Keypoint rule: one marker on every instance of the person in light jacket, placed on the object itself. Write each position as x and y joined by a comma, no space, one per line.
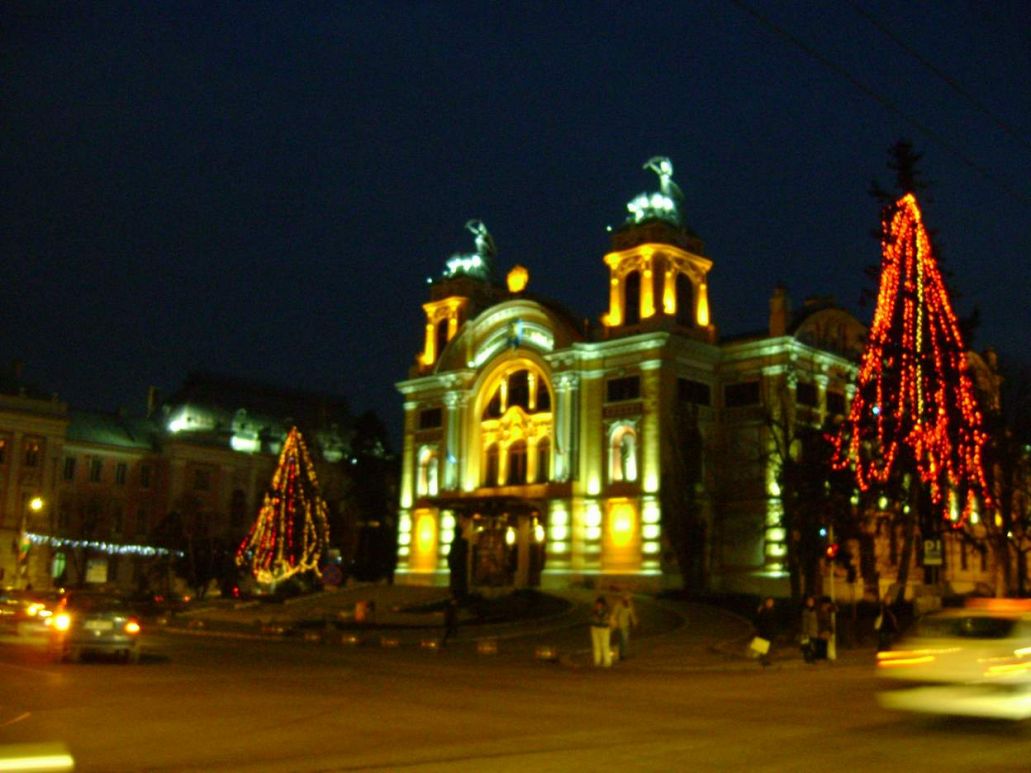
601,632
624,617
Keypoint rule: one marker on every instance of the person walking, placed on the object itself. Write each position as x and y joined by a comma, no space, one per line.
601,632
624,616
886,624
765,630
810,629
825,627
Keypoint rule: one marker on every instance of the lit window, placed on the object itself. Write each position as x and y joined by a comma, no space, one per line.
427,480
31,456
517,463
623,454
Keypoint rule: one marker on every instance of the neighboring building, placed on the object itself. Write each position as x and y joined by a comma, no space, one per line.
539,449
117,491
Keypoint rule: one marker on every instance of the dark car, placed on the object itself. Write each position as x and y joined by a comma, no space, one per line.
94,623
23,611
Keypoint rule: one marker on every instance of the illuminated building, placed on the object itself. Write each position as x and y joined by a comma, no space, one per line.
541,447
199,464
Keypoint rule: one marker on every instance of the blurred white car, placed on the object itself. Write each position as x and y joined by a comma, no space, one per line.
974,661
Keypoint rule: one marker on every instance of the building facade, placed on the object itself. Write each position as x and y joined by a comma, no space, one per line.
120,499
540,450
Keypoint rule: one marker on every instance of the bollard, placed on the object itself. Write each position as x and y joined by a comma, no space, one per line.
429,644
350,639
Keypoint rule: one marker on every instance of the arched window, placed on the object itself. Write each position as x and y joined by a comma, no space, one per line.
519,389
490,467
623,454
426,481
685,301
516,463
543,460
632,300
441,337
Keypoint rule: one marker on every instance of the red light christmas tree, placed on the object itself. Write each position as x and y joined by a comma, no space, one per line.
914,409
291,530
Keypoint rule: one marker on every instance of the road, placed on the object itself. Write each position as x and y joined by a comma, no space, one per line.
206,703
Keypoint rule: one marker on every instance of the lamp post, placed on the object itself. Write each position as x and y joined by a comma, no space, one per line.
36,505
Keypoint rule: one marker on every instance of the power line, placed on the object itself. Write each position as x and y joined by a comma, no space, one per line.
950,81
882,100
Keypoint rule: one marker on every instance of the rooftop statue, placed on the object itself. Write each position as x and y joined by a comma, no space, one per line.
479,264
665,203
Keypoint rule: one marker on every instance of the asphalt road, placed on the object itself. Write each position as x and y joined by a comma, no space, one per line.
205,703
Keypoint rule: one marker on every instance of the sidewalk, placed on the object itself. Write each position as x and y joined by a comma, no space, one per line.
673,636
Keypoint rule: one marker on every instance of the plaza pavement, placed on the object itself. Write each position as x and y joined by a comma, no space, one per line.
672,635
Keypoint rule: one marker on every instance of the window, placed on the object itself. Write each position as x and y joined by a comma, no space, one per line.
142,521
96,466
623,454
836,403
426,481
685,301
632,303
431,418
626,388
490,467
519,389
31,456
144,476
441,337
120,474
737,395
806,394
693,392
69,468
543,460
517,463
202,480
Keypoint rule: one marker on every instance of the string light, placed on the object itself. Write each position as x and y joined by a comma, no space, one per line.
111,548
914,394
292,528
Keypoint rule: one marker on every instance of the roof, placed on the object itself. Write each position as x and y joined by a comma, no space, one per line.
112,429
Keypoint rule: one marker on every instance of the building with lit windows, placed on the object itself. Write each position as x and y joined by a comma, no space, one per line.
116,491
541,450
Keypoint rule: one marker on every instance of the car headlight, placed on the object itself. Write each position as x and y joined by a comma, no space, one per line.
61,621
132,626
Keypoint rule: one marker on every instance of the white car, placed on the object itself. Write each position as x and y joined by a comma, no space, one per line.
974,661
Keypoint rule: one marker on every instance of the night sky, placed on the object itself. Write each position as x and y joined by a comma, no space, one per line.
262,190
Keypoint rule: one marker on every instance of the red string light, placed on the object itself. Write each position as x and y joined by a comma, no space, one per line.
914,394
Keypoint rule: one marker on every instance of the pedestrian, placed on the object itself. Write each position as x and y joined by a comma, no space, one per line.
601,632
810,629
624,617
825,630
765,630
886,624
450,620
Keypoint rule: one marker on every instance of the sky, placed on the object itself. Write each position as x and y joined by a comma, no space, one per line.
263,189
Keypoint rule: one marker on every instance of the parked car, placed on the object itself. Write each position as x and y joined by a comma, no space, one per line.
95,623
974,661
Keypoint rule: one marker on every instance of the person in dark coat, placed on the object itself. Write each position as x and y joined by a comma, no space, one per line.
810,629
886,624
766,628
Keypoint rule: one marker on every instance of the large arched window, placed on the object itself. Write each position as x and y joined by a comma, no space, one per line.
516,463
685,301
490,467
427,481
632,300
623,453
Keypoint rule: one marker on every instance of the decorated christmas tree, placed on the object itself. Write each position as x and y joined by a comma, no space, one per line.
291,530
915,417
